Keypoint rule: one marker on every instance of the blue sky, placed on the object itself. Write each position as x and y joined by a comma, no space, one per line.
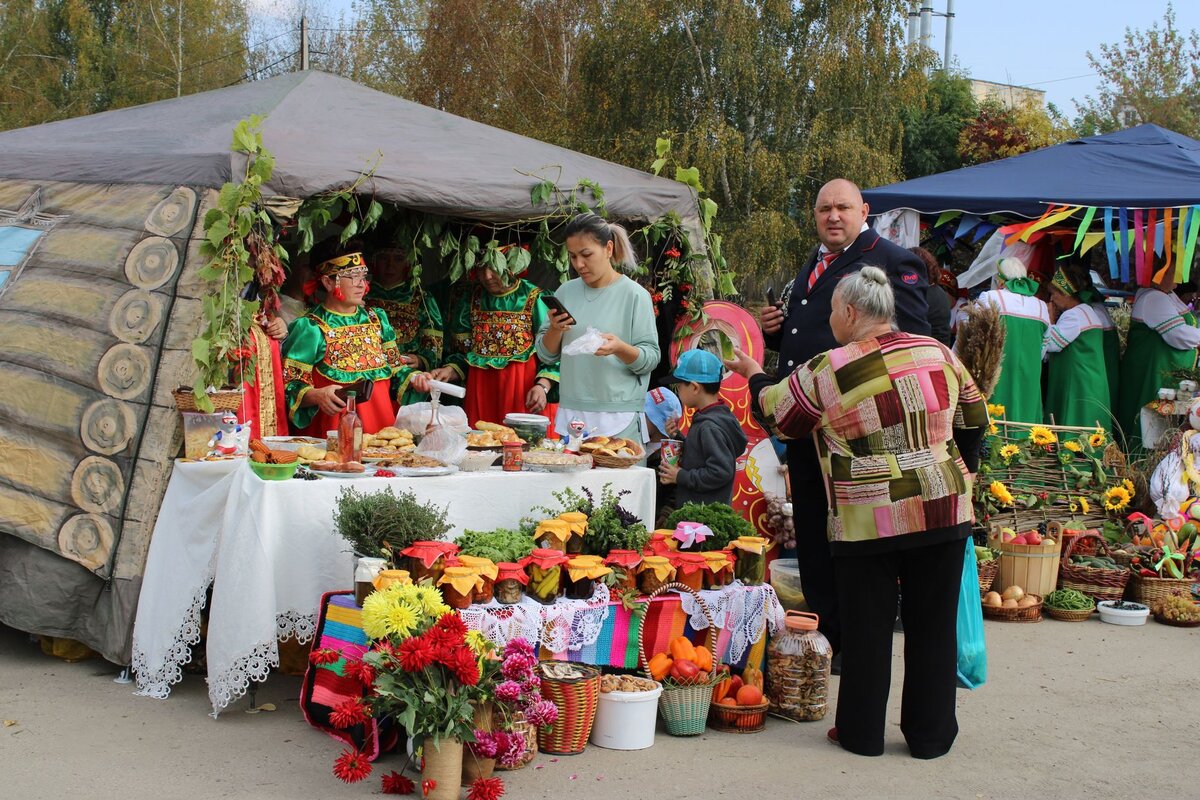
1040,43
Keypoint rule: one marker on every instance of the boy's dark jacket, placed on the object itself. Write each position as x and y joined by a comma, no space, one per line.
715,441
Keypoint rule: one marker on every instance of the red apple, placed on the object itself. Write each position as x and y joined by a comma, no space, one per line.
1020,539
1033,537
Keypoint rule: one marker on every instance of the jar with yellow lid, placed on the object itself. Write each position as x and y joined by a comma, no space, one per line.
663,542
751,566
690,569
553,534
486,569
545,570
582,574
390,577
653,572
720,569
458,585
577,521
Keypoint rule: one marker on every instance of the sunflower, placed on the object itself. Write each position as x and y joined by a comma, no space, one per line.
999,491
1116,498
1008,451
1097,439
1074,447
1084,506
1042,437
1128,484
992,429
995,410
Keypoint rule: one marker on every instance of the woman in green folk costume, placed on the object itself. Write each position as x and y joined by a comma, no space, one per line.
414,315
1078,388
1163,337
340,345
1026,319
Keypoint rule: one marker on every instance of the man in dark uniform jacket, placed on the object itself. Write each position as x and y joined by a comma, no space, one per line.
799,329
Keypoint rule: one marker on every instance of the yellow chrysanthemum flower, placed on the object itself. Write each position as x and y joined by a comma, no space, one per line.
1117,498
1097,439
999,491
995,410
1128,484
431,602
1008,451
401,618
1084,505
1042,437
1074,447
375,614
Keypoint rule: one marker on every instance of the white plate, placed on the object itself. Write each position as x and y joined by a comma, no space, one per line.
369,472
422,472
285,443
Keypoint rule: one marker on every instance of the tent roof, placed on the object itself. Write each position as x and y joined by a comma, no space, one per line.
324,132
1142,167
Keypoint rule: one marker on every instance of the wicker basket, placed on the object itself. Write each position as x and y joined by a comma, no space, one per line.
531,744
739,719
618,462
223,400
987,573
1069,615
1152,591
577,699
1027,614
1098,584
684,708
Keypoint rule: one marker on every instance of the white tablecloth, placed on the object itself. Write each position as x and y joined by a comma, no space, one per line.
269,551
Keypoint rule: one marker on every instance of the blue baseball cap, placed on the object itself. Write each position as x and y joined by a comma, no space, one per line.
661,405
700,366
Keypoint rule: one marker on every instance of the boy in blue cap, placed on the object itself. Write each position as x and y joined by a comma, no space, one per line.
715,440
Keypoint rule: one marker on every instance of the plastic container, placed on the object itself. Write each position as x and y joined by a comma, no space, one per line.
785,580
798,666
198,429
1122,616
626,720
530,427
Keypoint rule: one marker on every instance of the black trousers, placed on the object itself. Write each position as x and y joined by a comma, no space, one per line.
810,514
927,579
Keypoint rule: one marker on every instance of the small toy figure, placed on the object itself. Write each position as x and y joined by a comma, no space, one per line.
575,435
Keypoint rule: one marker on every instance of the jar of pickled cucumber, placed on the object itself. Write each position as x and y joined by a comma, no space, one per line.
751,566
653,572
486,569
690,569
510,583
545,570
624,564
582,574
458,585
577,522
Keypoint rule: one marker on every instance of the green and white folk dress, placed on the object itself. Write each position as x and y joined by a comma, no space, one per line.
1026,320
1112,354
1162,337
1077,391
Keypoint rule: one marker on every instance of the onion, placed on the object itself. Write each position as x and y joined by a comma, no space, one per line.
1010,603
1013,593
992,599
1027,601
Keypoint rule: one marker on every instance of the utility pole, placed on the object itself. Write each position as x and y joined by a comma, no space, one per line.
303,43
949,57
179,49
926,22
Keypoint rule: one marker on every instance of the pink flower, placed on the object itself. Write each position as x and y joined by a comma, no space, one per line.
508,691
518,647
518,667
484,746
542,714
510,749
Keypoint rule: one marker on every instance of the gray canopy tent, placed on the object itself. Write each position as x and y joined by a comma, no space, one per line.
100,222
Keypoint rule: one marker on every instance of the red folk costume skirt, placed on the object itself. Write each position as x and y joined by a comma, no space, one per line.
494,393
376,414
264,402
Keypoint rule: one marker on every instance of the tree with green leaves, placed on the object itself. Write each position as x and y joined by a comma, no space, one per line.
1149,76
931,129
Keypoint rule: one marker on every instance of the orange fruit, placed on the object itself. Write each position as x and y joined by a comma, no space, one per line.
749,696
727,701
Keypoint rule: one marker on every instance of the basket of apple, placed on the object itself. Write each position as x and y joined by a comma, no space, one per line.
1029,560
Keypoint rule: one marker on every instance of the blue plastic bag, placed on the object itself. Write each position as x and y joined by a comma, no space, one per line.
972,649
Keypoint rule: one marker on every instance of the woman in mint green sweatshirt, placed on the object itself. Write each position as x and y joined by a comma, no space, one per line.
606,390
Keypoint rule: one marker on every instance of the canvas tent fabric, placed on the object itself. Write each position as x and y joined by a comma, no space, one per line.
1142,167
100,228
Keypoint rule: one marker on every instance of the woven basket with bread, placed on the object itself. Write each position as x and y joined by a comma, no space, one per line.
612,451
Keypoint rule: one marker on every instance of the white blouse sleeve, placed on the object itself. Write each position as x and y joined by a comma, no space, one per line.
1164,316
1072,323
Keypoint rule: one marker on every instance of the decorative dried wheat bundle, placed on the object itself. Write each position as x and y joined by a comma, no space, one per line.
980,345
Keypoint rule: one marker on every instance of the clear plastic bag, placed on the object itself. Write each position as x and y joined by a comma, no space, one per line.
415,418
586,345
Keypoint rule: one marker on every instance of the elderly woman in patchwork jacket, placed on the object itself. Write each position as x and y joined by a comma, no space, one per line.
898,422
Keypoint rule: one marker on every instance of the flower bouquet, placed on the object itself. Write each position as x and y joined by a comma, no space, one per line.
521,709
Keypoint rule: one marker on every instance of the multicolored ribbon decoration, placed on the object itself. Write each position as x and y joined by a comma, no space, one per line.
1193,230
1181,241
1088,216
1124,244
1054,215
1110,246
1168,255
1139,249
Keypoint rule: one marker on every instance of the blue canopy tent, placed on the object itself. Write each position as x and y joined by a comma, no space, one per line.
1142,167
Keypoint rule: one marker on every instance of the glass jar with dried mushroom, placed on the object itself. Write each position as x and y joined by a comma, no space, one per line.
798,664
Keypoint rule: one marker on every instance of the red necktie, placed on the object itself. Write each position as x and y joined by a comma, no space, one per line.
820,267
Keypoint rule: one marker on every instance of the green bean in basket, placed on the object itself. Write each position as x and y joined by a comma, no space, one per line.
1068,600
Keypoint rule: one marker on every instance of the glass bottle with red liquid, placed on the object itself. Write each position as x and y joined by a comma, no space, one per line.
350,432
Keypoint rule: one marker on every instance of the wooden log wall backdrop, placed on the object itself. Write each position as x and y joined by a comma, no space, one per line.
95,323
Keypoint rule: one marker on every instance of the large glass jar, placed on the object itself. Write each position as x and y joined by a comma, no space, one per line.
751,566
458,585
545,571
510,583
582,574
426,561
577,522
365,572
662,542
690,569
719,569
486,569
798,664
653,572
389,577
552,534
624,564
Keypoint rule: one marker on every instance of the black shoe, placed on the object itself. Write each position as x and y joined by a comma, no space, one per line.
835,667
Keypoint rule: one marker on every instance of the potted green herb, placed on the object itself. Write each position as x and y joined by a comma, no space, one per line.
380,524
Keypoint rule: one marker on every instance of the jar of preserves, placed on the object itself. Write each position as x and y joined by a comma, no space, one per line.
365,572
545,570
690,569
751,566
514,458
552,534
486,569
426,561
582,574
798,665
662,542
390,577
719,569
577,522
510,583
458,585
653,572
624,564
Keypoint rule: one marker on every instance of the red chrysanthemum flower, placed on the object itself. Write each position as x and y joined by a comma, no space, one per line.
351,767
348,713
442,644
453,623
466,668
395,783
415,654
486,789
361,670
324,656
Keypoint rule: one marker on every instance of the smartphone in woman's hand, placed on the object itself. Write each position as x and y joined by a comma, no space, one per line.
556,305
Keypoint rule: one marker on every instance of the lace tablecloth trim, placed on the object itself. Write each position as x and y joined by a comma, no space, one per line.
234,682
566,625
741,610
158,682
296,625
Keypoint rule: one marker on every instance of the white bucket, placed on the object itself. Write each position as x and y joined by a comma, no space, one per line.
626,720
